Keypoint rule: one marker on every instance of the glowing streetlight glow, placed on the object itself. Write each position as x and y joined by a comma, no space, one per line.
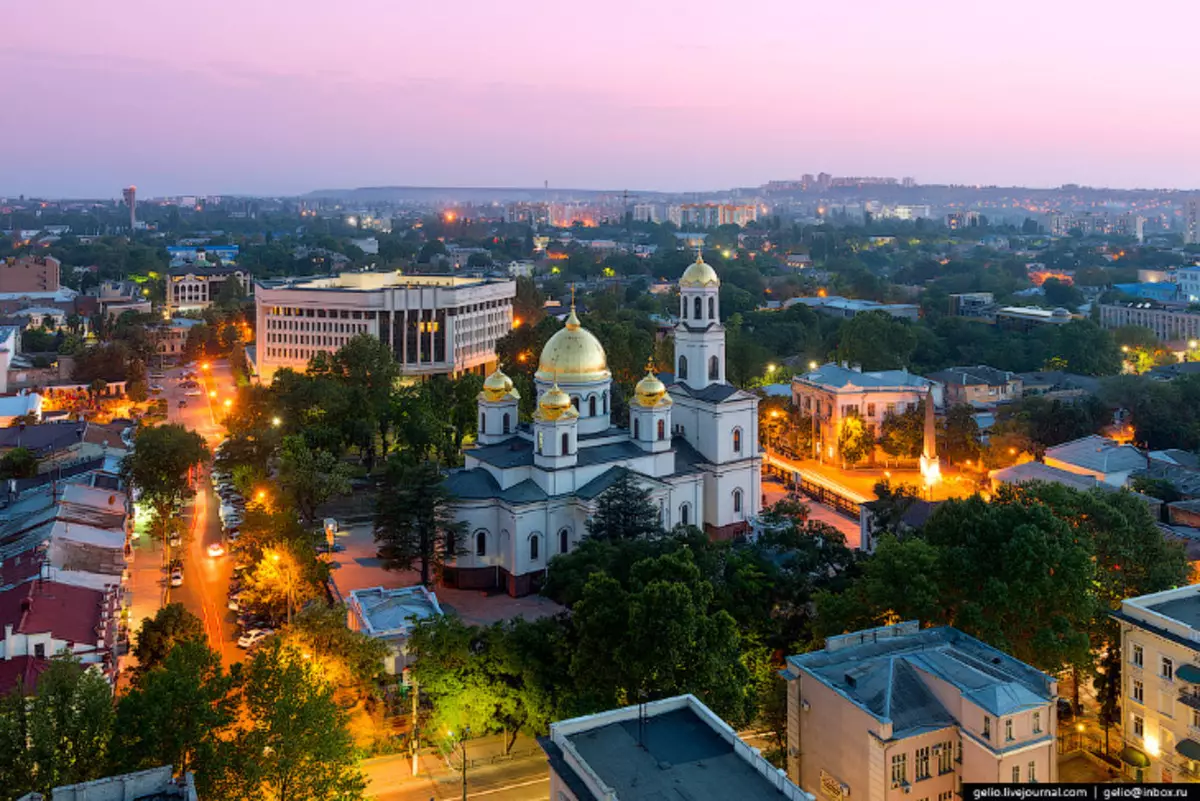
205,366
261,496
228,402
771,367
276,422
812,365
212,393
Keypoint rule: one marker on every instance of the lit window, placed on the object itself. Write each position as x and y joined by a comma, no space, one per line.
899,770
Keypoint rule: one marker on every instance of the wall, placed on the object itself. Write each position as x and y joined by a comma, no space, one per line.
834,735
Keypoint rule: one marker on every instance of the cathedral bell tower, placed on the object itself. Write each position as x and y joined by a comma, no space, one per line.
498,404
699,336
555,430
650,414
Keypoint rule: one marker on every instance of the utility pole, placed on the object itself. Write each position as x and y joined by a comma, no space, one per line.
416,729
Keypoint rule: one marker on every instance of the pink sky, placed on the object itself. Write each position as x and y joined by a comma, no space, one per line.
284,96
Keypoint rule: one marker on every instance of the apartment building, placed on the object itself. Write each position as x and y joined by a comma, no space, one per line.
434,324
674,748
903,713
1160,676
196,286
1169,323
832,393
37,274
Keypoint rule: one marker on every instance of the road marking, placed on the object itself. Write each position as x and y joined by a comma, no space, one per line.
508,787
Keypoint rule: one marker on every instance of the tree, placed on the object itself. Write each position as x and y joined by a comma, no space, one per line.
903,434
176,711
158,636
294,745
346,656
624,511
414,522
158,466
18,463
876,341
960,441
58,736
310,477
854,443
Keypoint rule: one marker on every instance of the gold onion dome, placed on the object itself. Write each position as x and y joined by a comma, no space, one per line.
699,274
555,403
650,391
497,385
573,355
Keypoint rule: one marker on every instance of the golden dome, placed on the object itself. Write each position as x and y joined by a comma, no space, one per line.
555,403
650,391
573,355
699,274
497,385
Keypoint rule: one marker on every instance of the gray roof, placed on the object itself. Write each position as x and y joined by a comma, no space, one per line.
478,484
672,755
834,376
1098,453
1185,480
1037,471
885,676
1185,610
973,376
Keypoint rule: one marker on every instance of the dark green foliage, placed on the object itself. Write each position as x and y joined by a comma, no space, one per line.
414,523
158,636
624,511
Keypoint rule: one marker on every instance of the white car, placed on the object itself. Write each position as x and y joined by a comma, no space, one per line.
253,637
194,392
177,577
216,549
156,387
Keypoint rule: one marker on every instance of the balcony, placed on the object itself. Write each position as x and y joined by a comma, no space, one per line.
1190,697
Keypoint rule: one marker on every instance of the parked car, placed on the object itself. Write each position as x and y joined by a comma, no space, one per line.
216,549
193,393
182,403
253,637
177,577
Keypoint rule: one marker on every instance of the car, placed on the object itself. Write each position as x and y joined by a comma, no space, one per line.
233,604
157,374
216,549
182,403
253,637
155,389
177,577
195,392
175,540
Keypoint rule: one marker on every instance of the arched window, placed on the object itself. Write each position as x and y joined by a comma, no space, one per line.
566,443
714,369
481,542
697,309
482,421
737,440
683,304
637,429
685,512
540,442
712,308
737,501
533,548
682,367
564,541
507,422
575,402
662,429
591,406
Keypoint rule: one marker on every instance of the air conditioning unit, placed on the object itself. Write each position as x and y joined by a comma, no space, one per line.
805,705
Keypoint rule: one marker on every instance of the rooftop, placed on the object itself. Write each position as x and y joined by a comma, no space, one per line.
968,376
675,748
372,281
1038,471
67,612
389,613
1171,614
884,671
835,376
1098,453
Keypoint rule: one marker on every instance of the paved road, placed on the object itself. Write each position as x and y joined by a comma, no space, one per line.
205,579
522,779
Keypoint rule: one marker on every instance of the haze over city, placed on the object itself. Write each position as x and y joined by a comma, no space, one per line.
270,98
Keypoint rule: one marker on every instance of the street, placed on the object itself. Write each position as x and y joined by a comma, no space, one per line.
205,579
525,777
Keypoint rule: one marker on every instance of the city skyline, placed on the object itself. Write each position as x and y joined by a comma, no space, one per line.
227,98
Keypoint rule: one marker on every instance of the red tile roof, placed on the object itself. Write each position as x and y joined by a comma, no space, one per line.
65,611
23,668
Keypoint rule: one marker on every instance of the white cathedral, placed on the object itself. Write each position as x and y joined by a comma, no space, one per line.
526,491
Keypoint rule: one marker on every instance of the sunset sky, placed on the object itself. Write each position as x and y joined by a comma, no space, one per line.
284,96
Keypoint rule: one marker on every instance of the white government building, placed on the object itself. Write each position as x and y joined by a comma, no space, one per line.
434,324
527,490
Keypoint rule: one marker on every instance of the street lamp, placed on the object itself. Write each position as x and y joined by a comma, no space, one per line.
462,741
275,558
276,422
813,365
228,402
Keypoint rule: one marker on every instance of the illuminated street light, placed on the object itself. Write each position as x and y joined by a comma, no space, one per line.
276,422
205,366
228,402
771,367
812,365
212,393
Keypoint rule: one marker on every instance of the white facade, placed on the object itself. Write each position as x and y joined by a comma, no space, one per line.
527,491
195,287
434,324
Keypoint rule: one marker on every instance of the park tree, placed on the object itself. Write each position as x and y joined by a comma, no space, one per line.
175,712
624,511
292,743
347,657
171,625
902,434
59,735
959,439
854,442
158,466
309,476
414,522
